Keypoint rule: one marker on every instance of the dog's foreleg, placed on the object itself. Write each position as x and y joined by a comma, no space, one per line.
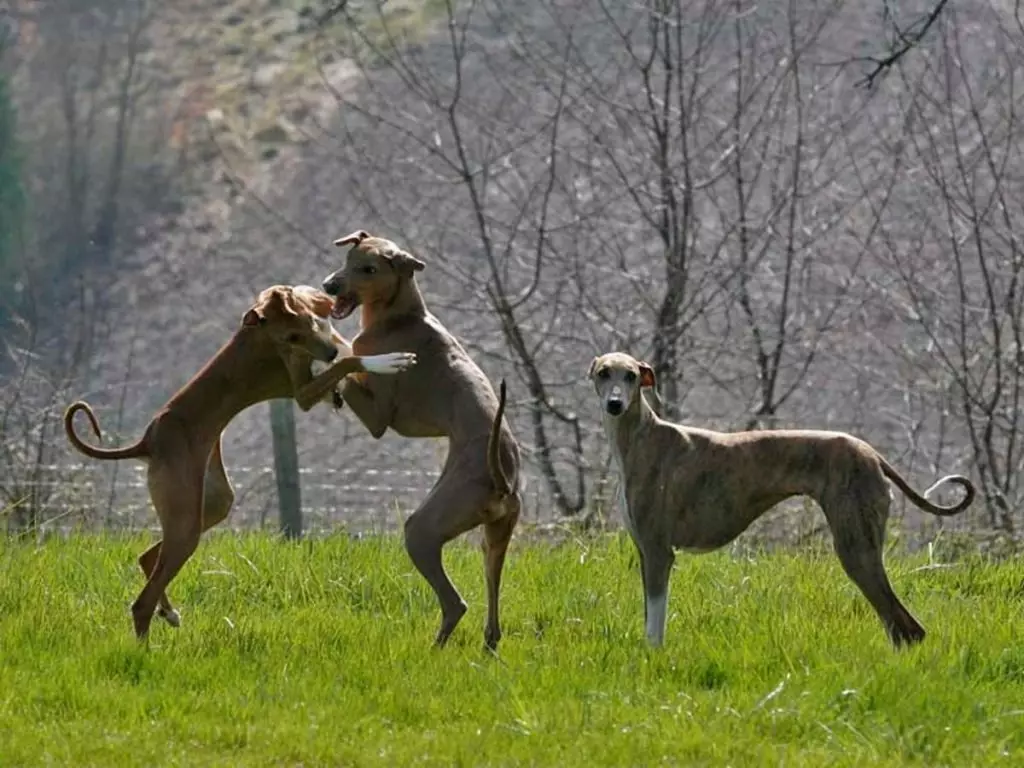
657,614
656,562
310,393
374,408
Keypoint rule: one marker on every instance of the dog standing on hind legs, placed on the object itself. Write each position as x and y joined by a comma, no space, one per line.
445,395
270,356
697,490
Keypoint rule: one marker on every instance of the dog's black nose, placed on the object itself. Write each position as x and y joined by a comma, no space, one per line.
331,286
332,355
614,407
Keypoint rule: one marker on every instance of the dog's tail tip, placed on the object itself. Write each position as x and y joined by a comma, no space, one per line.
134,451
69,417
921,502
960,480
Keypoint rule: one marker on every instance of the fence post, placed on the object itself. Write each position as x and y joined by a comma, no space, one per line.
286,467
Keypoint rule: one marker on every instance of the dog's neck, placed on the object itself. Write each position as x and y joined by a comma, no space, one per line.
406,301
245,371
623,431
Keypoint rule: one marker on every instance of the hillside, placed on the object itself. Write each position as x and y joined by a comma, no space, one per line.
786,246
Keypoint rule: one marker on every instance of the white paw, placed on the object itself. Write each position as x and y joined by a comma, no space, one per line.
172,617
392,362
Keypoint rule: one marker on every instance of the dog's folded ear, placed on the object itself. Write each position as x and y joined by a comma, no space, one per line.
282,302
319,302
647,376
253,317
353,239
590,370
276,300
405,263
322,304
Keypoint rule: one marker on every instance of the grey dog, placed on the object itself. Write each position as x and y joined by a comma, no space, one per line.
697,490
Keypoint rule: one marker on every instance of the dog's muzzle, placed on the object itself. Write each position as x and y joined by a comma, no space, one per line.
614,406
325,355
331,286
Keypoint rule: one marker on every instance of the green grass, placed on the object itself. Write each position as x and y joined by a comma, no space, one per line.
319,653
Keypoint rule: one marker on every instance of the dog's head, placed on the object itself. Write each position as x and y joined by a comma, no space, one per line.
295,319
618,379
374,271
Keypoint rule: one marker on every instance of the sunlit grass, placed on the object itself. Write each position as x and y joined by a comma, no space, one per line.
319,653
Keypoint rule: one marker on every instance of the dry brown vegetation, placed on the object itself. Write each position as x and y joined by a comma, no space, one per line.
706,184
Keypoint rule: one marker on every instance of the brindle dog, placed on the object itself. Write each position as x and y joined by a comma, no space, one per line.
697,490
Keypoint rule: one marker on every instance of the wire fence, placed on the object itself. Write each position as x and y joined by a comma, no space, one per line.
116,497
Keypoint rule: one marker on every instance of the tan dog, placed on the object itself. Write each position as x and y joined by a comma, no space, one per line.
697,490
269,357
445,395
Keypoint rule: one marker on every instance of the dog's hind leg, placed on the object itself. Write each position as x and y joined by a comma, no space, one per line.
859,536
497,535
453,507
866,570
178,497
148,561
218,496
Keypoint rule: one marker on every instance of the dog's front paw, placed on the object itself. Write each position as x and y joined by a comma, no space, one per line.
392,362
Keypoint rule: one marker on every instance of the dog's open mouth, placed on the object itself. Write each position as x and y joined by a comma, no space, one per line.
344,306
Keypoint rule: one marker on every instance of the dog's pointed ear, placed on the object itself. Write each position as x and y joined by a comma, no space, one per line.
353,239
405,263
590,370
647,376
253,317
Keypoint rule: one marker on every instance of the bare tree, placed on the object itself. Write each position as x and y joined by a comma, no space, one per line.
957,249
32,402
672,178
902,37
90,81
792,261
499,145
129,87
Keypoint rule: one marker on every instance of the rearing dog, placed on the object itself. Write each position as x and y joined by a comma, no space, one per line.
445,395
697,490
270,356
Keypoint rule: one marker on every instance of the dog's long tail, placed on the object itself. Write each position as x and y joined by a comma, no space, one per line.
921,502
501,482
136,450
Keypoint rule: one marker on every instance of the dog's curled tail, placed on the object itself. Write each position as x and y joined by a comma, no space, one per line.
501,482
921,502
137,450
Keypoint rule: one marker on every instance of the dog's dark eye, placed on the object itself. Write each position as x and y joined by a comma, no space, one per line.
630,377
369,269
603,373
293,338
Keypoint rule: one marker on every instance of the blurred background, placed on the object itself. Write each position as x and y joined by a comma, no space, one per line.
801,213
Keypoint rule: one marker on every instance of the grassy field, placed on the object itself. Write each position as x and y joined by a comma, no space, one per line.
318,653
